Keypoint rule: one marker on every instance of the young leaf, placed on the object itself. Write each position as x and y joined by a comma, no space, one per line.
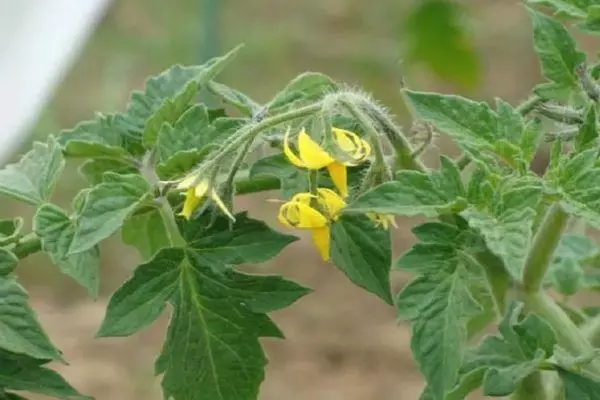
20,331
33,178
105,136
436,36
223,359
8,262
146,231
105,208
363,252
219,245
530,140
239,100
168,95
567,276
304,87
558,54
56,230
19,372
588,133
510,358
415,193
578,386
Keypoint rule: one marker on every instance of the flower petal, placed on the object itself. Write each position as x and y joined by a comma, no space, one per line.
300,215
322,239
215,197
304,198
383,220
339,176
202,188
190,204
311,153
187,182
357,148
293,158
331,201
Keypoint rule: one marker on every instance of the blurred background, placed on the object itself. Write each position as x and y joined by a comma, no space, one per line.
342,343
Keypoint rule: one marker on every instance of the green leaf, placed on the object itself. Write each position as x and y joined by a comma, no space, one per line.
105,136
8,262
306,86
567,276
436,36
578,386
223,359
10,229
510,358
105,208
57,230
33,178
530,139
363,252
239,100
20,331
146,231
18,372
168,95
588,132
219,244
292,180
93,169
573,8
557,51
478,129
415,193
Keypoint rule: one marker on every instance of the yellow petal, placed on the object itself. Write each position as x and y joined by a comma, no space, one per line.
304,198
357,148
311,153
202,188
322,240
190,204
215,197
187,182
339,176
293,158
300,215
331,201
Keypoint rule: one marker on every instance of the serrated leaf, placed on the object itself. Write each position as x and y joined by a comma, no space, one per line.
105,136
578,386
18,372
57,230
105,208
415,193
588,132
292,180
567,276
510,358
146,231
573,8
530,139
239,100
223,359
363,252
436,36
20,331
557,51
168,95
306,86
33,178
8,262
93,169
247,241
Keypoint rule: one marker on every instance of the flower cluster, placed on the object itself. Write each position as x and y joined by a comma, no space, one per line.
316,211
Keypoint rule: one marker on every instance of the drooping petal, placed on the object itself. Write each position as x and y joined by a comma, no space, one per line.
300,215
322,239
187,182
291,156
202,188
339,176
331,201
215,197
311,153
357,148
190,204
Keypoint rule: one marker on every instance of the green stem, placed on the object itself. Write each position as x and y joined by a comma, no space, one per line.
29,244
591,330
542,249
166,213
529,105
237,163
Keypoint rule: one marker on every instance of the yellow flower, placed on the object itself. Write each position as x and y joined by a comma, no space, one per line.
312,156
195,192
383,220
298,213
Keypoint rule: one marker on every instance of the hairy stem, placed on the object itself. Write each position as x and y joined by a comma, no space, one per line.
542,249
